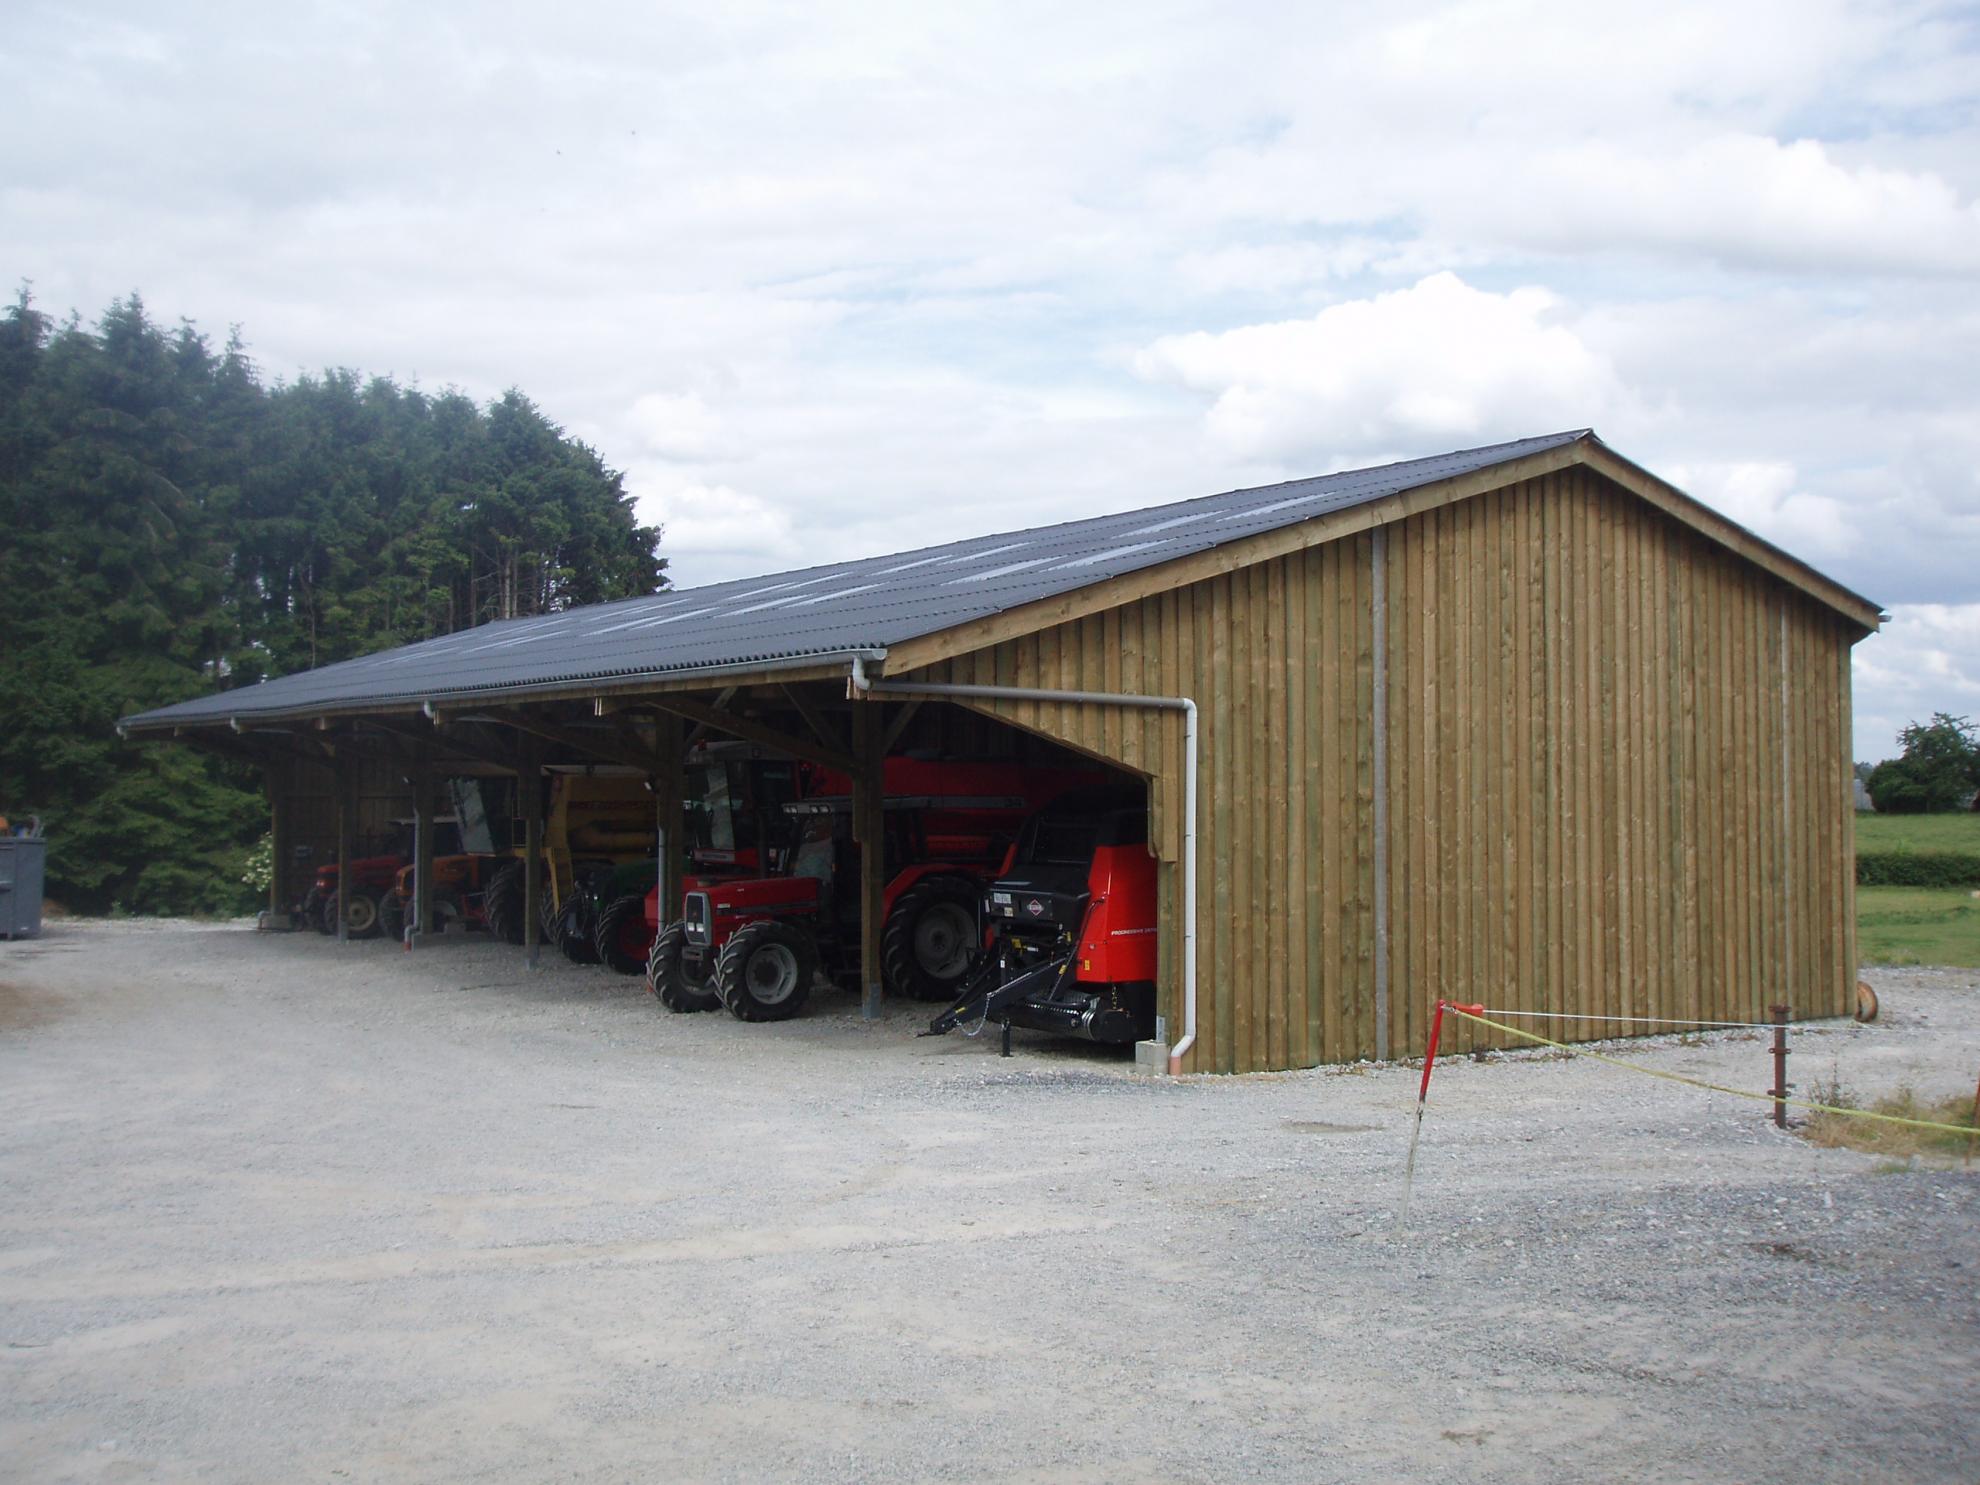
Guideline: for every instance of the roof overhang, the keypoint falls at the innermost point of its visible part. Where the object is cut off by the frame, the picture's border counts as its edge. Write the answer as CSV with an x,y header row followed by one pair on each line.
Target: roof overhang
x,y
1588,452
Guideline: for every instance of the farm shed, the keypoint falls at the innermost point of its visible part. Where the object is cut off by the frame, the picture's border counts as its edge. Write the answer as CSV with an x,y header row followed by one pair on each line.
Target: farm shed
x,y
1521,724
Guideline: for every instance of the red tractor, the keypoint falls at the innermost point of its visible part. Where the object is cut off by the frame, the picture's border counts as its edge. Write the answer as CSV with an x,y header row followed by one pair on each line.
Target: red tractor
x,y
755,944
373,878
735,794
460,890
1072,920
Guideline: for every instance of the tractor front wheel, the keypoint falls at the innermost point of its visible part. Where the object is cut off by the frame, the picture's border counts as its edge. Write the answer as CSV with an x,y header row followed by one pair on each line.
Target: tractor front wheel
x,y
622,937
391,914
931,938
765,970
572,930
360,918
669,977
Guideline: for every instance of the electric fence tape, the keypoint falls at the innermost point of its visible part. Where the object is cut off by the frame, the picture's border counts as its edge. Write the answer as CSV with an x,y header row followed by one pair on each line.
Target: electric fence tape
x,y
1671,1077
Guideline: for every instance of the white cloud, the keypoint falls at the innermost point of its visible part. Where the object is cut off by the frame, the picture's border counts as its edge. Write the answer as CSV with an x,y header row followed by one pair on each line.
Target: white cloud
x,y
1735,198
1925,660
1764,497
1419,367
832,280
715,521
679,425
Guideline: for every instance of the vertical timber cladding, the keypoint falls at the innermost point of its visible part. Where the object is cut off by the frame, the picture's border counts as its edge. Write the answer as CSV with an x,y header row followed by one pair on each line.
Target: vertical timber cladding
x,y
1616,756
1279,659
309,792
1616,761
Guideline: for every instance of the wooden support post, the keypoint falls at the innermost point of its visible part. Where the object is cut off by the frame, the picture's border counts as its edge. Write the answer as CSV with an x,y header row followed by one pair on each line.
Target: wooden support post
x,y
346,825
422,903
529,777
278,848
670,812
870,831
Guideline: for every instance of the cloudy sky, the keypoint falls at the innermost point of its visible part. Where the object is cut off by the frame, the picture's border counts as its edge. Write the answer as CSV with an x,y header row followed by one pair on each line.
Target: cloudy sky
x,y
833,280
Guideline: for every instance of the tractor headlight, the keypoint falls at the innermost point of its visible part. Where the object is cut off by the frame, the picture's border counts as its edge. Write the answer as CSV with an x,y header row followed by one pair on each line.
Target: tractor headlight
x,y
694,917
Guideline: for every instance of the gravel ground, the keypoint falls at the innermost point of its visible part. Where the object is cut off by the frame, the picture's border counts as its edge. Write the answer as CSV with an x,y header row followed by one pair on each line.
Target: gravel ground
x,y
280,1210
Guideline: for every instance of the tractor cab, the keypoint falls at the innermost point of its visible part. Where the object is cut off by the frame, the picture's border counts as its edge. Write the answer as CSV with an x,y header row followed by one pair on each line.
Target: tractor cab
x,y
1070,926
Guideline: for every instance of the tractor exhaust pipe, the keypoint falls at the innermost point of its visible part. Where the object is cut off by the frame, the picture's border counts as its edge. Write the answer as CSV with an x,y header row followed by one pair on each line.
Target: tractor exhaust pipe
x,y
859,685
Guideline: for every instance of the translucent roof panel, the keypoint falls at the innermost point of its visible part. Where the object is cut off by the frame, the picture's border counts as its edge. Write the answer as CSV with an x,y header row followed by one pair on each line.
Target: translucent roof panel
x,y
814,613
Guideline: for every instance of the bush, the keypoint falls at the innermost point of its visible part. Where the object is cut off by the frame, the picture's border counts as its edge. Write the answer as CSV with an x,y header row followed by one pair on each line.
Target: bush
x,y
1940,769
1916,869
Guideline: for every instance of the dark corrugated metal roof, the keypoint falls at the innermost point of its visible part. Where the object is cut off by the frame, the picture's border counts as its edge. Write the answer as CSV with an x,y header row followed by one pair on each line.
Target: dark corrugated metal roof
x,y
821,611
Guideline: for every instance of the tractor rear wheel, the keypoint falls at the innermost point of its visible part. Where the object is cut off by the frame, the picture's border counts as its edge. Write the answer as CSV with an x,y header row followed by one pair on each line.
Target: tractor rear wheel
x,y
502,902
572,930
765,970
361,916
313,914
679,990
391,914
622,937
931,938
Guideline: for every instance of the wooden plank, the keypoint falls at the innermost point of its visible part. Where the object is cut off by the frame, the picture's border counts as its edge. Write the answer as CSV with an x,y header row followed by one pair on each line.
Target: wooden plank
x,y
1237,797
1357,859
751,730
1316,668
1214,617
1282,1030
1842,727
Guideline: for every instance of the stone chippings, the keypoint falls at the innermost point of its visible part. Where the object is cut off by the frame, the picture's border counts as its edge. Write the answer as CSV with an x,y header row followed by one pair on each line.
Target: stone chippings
x,y
280,1210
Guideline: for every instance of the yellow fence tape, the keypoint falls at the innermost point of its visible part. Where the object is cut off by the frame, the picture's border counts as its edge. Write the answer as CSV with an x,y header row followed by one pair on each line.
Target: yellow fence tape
x,y
1671,1077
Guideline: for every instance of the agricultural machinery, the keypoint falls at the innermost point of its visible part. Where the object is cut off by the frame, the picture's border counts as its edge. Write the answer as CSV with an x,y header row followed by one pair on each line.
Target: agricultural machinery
x,y
373,879
1070,941
754,944
734,792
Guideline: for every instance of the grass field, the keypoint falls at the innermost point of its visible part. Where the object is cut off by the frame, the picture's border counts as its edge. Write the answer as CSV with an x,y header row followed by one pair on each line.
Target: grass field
x,y
1958,833
1911,925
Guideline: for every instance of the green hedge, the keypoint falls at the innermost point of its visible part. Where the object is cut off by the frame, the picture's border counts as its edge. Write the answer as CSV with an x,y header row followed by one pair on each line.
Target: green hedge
x,y
1916,869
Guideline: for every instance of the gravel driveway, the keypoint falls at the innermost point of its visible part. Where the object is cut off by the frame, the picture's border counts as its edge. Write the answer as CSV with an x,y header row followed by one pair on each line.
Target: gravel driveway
x,y
276,1209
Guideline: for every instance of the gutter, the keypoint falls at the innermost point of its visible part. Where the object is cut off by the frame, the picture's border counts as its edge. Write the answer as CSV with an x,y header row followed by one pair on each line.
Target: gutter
x,y
859,685
574,689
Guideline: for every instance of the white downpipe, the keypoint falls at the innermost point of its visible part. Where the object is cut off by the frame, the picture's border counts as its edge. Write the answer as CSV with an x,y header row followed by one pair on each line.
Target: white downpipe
x,y
858,682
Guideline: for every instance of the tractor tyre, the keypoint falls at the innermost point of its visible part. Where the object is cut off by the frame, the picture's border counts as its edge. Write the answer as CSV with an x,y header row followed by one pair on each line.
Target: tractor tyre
x,y
572,930
547,909
392,915
669,979
311,912
502,902
362,914
622,938
931,938
765,970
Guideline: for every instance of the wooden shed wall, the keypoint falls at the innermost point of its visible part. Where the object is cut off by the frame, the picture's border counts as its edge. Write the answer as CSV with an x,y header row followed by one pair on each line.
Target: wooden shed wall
x,y
1617,768
309,815
1616,756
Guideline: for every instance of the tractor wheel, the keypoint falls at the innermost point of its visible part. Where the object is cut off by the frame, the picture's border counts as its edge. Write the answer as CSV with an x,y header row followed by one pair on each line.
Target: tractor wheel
x,y
622,937
931,938
391,914
572,930
313,914
669,978
764,971
546,910
361,916
502,903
